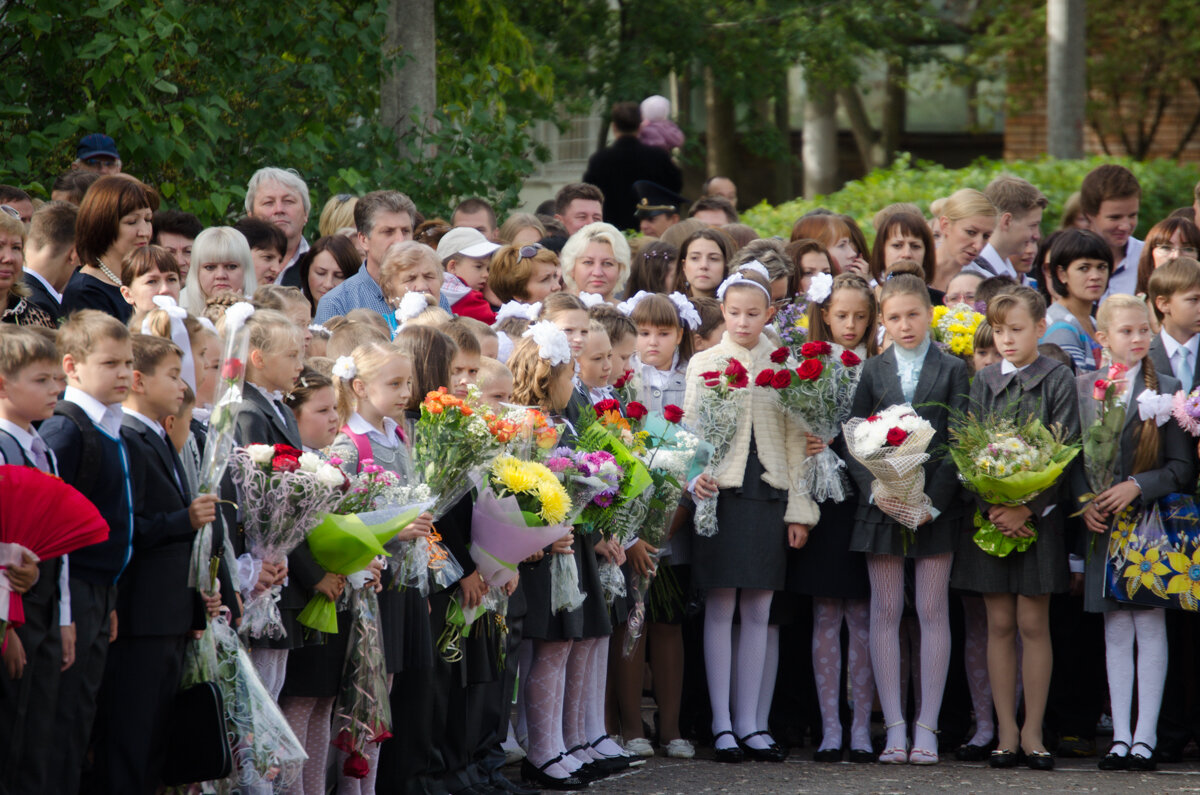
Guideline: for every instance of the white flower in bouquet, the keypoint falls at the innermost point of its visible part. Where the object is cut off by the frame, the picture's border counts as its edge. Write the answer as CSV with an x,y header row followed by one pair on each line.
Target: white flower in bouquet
x,y
328,475
261,454
310,462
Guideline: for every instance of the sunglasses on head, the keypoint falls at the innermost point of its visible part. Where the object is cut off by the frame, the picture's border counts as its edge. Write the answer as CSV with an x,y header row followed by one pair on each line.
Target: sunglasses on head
x,y
11,211
527,252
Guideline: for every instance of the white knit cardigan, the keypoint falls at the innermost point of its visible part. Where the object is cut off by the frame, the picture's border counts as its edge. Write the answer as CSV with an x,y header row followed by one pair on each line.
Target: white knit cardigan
x,y
779,438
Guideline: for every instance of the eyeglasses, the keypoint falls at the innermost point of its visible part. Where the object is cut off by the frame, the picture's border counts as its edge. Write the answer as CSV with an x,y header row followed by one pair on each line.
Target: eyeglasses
x,y
11,211
528,252
1180,251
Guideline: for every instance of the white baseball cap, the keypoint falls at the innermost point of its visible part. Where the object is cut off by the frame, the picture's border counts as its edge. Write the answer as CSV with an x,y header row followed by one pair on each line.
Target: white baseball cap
x,y
467,241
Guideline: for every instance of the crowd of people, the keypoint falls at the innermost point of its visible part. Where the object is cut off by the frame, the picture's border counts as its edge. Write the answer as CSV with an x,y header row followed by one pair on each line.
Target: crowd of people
x,y
988,658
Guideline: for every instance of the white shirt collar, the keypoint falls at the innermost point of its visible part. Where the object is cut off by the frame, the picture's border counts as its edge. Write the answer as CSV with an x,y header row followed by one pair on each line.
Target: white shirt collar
x,y
55,294
149,423
917,353
653,377
998,263
1171,345
23,437
107,417
275,398
1007,367
600,393
387,437
300,249
1132,376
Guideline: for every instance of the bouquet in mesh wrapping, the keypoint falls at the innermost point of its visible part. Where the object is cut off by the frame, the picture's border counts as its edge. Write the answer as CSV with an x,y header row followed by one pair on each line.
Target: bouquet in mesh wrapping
x,y
716,421
284,494
1006,462
891,446
362,712
817,392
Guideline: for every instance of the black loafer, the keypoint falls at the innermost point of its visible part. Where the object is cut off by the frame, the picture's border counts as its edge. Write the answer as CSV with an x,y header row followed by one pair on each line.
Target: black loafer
x,y
730,756
539,778
1114,761
829,755
972,753
860,757
772,753
1142,763
1039,760
1002,758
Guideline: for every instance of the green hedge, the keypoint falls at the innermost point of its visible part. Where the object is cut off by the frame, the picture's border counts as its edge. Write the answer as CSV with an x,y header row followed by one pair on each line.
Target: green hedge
x,y
1166,185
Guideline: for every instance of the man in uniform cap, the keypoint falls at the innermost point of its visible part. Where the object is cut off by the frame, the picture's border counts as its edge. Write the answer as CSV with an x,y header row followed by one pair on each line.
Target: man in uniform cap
x,y
657,208
97,152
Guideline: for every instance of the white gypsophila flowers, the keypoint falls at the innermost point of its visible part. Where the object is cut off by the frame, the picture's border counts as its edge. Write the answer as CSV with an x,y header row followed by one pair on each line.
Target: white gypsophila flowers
x,y
261,453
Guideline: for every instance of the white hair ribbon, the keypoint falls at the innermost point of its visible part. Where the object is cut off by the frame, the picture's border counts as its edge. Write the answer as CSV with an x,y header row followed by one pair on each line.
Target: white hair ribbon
x,y
551,341
208,324
626,307
179,336
757,267
687,313
236,317
504,347
738,278
591,299
1155,406
520,311
345,368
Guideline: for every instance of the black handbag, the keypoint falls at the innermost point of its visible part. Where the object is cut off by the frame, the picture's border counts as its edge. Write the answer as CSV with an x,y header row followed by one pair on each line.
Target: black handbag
x,y
197,746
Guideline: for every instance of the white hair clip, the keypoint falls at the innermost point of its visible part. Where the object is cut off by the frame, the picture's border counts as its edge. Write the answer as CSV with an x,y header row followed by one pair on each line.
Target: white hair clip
x,y
504,347
345,368
757,267
236,316
411,305
520,311
820,288
626,307
591,299
179,335
551,341
317,328
738,278
687,313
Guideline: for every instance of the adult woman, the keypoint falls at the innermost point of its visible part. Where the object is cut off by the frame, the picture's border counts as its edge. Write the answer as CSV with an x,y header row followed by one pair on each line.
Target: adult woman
x,y
521,229
1169,239
220,261
655,269
114,219
903,235
147,272
327,263
1080,264
524,273
13,306
832,232
808,259
596,260
967,220
337,214
704,262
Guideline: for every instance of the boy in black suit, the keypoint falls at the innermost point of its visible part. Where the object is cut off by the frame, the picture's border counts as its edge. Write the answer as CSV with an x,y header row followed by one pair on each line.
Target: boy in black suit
x,y
157,610
37,651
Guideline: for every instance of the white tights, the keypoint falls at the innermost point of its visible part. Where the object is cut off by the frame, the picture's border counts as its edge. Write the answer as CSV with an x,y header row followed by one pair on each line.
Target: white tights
x,y
752,659
1149,629
827,669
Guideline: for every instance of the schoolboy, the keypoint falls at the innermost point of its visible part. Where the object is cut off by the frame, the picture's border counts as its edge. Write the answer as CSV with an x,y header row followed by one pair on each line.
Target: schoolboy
x,y
156,609
1110,197
466,255
1174,292
1020,205
37,651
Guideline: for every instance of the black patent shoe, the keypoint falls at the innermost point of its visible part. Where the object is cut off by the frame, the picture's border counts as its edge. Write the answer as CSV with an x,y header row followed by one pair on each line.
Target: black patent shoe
x,y
1002,758
772,753
828,756
732,755
860,757
540,778
1039,760
1142,763
973,753
1113,760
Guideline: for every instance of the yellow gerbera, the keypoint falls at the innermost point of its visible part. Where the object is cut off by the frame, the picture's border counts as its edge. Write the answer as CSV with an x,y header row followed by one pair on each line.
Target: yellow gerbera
x,y
1186,581
554,499
1145,570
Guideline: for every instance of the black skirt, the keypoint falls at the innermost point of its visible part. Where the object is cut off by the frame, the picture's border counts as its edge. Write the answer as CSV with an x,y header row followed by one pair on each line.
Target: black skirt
x,y
316,671
826,567
404,629
590,620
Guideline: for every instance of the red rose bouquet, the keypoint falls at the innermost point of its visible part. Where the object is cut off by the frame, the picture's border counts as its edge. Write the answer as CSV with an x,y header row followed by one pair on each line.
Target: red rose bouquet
x,y
716,422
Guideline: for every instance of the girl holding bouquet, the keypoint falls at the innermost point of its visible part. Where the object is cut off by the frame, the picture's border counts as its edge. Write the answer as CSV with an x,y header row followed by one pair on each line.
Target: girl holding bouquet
x,y
743,564
912,371
374,386
826,569
273,363
1016,588
665,325
1151,461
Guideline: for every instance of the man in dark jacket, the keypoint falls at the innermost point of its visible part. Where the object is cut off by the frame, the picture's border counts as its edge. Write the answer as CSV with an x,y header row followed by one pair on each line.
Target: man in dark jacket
x,y
627,160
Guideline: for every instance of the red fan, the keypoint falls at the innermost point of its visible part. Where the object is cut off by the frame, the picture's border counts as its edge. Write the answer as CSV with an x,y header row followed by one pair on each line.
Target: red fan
x,y
46,516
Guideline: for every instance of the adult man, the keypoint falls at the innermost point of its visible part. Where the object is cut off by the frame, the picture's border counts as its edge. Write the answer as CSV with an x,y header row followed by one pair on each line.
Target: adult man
x,y
50,257
175,231
70,186
478,214
714,211
279,196
1020,205
722,187
19,200
98,153
1110,197
578,204
615,169
657,207
382,217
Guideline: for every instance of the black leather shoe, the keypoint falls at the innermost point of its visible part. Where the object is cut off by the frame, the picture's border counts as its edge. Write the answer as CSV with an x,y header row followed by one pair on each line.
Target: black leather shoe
x,y
1039,760
1002,759
501,784
732,755
772,753
829,755
539,778
860,757
973,753
1115,761
1142,763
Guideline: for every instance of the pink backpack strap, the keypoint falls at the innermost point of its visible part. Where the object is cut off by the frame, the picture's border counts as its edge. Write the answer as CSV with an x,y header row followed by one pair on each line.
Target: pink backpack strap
x,y
362,446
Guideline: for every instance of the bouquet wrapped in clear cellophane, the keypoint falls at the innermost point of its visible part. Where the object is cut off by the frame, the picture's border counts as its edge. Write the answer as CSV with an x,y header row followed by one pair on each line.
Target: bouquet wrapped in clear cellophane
x,y
362,712
717,412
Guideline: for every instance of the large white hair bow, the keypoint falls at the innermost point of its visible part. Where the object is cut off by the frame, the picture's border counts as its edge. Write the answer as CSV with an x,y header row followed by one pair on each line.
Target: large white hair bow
x,y
551,341
1155,406
519,310
179,336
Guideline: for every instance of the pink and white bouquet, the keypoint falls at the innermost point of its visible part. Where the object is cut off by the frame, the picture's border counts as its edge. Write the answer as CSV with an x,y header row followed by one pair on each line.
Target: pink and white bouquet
x,y
1185,407
892,446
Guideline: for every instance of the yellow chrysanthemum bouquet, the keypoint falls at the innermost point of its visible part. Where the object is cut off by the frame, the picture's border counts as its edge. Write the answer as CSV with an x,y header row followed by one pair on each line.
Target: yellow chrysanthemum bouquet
x,y
954,327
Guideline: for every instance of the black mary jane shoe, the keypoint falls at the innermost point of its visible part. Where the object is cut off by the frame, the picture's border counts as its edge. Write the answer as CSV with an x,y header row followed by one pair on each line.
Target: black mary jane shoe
x,y
730,756
1039,760
541,779
1002,758
973,753
772,753
1113,760
828,756
860,757
1142,764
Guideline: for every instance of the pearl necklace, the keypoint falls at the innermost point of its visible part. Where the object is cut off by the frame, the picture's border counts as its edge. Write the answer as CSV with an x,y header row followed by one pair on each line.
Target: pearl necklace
x,y
104,269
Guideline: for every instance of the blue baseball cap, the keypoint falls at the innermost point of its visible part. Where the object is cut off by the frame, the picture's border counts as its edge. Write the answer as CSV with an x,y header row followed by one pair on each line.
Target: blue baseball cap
x,y
95,144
